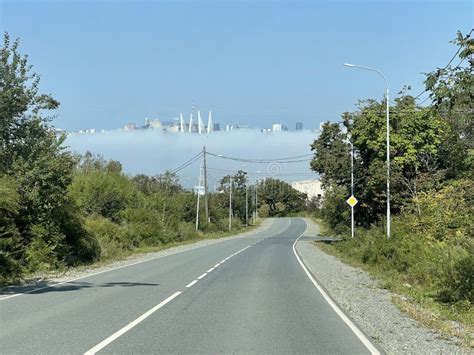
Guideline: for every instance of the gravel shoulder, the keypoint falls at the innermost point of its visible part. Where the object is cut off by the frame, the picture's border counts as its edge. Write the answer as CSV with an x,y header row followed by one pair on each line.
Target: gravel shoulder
x,y
361,298
84,271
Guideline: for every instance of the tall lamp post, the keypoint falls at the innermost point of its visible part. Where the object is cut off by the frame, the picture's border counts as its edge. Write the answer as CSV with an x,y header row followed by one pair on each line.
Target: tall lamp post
x,y
352,187
388,137
230,203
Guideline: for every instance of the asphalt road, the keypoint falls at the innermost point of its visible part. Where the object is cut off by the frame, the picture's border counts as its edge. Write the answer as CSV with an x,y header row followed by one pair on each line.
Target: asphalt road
x,y
246,295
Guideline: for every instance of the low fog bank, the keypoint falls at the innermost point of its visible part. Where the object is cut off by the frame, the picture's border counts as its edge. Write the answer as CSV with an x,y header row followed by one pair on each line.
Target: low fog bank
x,y
153,152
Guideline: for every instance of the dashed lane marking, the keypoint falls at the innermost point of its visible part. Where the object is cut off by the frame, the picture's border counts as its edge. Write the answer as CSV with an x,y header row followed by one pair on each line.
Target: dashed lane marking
x,y
192,283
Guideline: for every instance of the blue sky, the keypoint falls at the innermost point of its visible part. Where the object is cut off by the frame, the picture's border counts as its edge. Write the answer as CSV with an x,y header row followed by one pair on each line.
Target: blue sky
x,y
113,62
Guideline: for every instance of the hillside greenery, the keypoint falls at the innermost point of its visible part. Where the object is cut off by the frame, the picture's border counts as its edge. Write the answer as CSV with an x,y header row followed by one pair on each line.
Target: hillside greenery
x,y
430,256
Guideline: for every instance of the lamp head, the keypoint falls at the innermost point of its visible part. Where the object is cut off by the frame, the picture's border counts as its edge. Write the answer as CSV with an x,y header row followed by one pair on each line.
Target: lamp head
x,y
349,65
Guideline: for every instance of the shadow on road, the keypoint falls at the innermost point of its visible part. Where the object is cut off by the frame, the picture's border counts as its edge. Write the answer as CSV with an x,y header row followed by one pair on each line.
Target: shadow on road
x,y
74,286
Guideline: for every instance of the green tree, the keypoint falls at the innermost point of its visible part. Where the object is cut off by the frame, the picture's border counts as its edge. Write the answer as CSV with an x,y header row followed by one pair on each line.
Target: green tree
x,y
100,188
10,240
33,156
239,187
280,197
451,92
416,139
331,155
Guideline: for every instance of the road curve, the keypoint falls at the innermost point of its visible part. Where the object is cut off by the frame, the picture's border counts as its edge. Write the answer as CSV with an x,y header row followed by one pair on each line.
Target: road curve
x,y
246,295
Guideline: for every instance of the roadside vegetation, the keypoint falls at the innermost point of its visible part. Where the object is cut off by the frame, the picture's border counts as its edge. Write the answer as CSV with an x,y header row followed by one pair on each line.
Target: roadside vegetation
x,y
58,209
430,256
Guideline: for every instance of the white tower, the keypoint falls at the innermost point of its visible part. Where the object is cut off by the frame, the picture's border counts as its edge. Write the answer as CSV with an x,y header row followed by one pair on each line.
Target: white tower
x,y
210,127
190,123
191,119
199,122
181,123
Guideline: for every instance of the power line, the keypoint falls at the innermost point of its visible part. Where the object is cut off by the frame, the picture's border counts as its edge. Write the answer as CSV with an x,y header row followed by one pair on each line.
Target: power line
x,y
288,160
447,65
187,163
258,173
294,159
181,167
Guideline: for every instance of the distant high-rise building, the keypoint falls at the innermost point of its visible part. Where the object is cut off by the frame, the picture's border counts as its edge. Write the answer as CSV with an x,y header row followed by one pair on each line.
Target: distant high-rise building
x,y
299,126
216,127
130,127
155,124
276,127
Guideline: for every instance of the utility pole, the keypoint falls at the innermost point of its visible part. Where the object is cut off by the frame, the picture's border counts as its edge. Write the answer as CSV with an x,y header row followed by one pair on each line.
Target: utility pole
x,y
246,206
198,197
256,194
230,203
206,200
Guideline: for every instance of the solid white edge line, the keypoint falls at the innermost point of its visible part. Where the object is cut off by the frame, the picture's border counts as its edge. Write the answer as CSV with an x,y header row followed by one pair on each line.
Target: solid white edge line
x,y
210,270
11,296
192,283
130,325
358,333
202,276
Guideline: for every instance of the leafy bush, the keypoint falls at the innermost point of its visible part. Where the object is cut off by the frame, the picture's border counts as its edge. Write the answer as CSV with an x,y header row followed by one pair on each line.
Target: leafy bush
x,y
102,193
335,210
433,250
108,236
45,250
264,211
10,245
457,283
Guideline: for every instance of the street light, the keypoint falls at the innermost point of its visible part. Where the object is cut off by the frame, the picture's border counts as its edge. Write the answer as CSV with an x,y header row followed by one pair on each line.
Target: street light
x,y
388,137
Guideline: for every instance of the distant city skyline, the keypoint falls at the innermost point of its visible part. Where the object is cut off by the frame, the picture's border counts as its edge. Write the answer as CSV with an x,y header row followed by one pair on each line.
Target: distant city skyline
x,y
253,63
179,125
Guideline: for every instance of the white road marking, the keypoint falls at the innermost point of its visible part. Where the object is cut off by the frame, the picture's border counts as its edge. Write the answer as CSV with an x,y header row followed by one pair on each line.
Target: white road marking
x,y
216,265
202,276
130,325
192,283
358,333
17,294
210,270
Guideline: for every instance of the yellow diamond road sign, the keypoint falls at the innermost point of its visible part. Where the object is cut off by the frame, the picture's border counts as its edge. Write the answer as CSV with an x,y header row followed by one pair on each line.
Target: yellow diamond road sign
x,y
352,201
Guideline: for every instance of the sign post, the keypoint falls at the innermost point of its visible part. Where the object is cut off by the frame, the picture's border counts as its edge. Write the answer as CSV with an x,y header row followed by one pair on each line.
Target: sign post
x,y
352,201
